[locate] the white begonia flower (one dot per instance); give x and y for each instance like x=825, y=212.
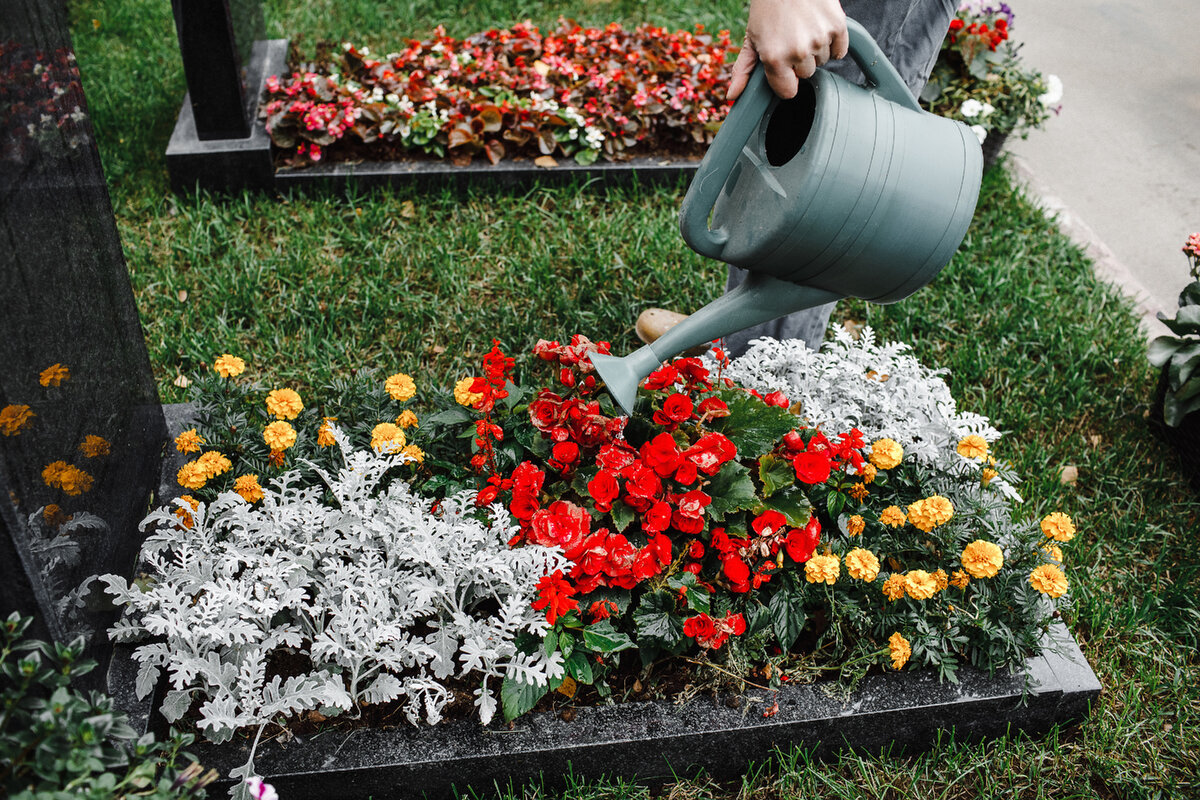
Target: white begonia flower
x=980, y=132
x=1054, y=91
x=987, y=109
x=970, y=108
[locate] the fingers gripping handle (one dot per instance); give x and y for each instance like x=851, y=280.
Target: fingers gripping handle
x=741, y=123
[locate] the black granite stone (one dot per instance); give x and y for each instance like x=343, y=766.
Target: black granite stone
x=81, y=430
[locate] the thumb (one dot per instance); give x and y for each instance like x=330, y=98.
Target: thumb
x=740, y=73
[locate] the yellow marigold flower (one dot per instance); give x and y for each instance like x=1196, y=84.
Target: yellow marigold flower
x=284, y=403
x=859, y=492
x=325, y=435
x=192, y=476
x=893, y=587
x=214, y=463
x=54, y=375
x=1058, y=526
x=185, y=516
x=53, y=472
x=987, y=475
x=228, y=366
x=189, y=441
x=822, y=569
x=886, y=453
x=13, y=418
x=247, y=486
x=941, y=579
x=279, y=435
x=463, y=394
x=868, y=473
x=386, y=437
x=982, y=559
x=415, y=453
x=959, y=579
x=899, y=650
x=94, y=446
x=75, y=481
x=932, y=511
x=893, y=516
x=407, y=419
x=862, y=565
x=1049, y=580
x=400, y=387
x=1053, y=551
x=973, y=446
x=855, y=525
x=920, y=585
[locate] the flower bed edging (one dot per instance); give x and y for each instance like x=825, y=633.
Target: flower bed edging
x=656, y=742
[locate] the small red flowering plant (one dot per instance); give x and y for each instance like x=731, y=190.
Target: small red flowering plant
x=714, y=524
x=579, y=92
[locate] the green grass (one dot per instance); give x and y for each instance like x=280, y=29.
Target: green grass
x=312, y=287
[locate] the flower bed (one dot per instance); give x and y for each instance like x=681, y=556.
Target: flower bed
x=769, y=521
x=580, y=93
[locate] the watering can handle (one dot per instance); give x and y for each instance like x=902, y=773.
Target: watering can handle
x=741, y=123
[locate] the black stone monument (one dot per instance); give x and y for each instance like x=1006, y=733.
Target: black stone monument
x=218, y=142
x=81, y=429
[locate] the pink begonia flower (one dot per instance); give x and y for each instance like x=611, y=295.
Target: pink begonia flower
x=260, y=790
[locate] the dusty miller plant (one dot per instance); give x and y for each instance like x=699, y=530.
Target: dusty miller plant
x=386, y=598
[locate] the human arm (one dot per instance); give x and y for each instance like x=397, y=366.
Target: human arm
x=791, y=38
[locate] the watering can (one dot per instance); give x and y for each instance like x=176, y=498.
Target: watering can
x=841, y=191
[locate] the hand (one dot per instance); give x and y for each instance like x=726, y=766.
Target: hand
x=792, y=38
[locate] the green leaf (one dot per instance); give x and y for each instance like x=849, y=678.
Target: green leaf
x=1185, y=322
x=1162, y=348
x=753, y=426
x=731, y=489
x=517, y=698
x=657, y=619
x=566, y=643
x=579, y=667
x=602, y=637
x=792, y=504
x=622, y=515
x=787, y=614
x=586, y=157
x=451, y=416
x=1190, y=296
x=698, y=598
x=834, y=503
x=775, y=473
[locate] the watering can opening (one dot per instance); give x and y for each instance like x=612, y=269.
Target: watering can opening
x=789, y=125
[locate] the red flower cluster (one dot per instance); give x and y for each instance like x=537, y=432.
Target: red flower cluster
x=43, y=103
x=969, y=33
x=577, y=90
x=815, y=458
x=711, y=633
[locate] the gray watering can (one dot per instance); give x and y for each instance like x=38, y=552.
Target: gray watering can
x=842, y=191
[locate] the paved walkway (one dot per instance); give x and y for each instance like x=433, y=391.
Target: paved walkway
x=1121, y=163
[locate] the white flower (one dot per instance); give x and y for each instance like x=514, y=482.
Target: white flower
x=1054, y=91
x=987, y=109
x=971, y=108
x=980, y=132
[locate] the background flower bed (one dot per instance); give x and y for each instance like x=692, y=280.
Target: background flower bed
x=318, y=287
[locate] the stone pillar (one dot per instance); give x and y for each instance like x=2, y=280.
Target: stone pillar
x=81, y=428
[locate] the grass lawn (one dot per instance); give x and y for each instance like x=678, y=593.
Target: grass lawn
x=311, y=288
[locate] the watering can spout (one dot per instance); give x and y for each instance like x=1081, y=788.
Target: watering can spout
x=760, y=299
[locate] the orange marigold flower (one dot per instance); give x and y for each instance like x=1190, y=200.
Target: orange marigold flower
x=1058, y=526
x=214, y=463
x=941, y=579
x=247, y=486
x=982, y=559
x=886, y=453
x=189, y=441
x=54, y=375
x=862, y=565
x=325, y=435
x=228, y=366
x=959, y=579
x=386, y=437
x=920, y=585
x=14, y=418
x=463, y=394
x=893, y=587
x=1053, y=551
x=1049, y=580
x=868, y=473
x=859, y=492
x=899, y=650
x=822, y=569
x=53, y=515
x=400, y=387
x=53, y=472
x=973, y=446
x=94, y=446
x=893, y=516
x=415, y=453
x=279, y=435
x=986, y=476
x=855, y=525
x=192, y=476
x=284, y=403
x=275, y=459
x=75, y=481
x=407, y=419
x=929, y=513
